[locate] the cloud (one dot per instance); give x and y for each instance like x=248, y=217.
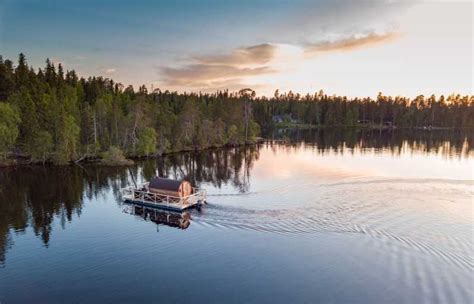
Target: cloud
x=199, y=74
x=221, y=71
x=352, y=43
x=108, y=70
x=254, y=64
x=256, y=54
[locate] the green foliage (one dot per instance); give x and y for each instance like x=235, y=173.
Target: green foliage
x=28, y=112
x=254, y=130
x=351, y=116
x=63, y=117
x=9, y=120
x=114, y=156
x=233, y=135
x=42, y=145
x=67, y=147
x=147, y=142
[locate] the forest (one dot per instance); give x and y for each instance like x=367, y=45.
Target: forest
x=53, y=115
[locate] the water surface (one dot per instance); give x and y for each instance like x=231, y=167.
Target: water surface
x=315, y=216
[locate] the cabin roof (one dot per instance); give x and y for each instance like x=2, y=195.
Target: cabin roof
x=164, y=184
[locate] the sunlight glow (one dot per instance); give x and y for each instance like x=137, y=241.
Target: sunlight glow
x=431, y=53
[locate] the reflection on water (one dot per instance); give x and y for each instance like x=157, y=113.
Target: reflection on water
x=446, y=142
x=401, y=200
x=180, y=220
x=37, y=196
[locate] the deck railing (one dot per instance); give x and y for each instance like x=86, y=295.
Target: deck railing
x=138, y=194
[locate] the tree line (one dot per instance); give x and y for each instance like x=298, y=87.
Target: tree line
x=454, y=111
x=50, y=114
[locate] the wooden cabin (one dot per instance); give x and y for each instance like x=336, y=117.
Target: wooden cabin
x=164, y=193
x=170, y=187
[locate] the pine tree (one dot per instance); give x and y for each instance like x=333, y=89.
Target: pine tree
x=9, y=120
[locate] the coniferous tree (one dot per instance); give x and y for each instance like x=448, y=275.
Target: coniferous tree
x=9, y=120
x=55, y=115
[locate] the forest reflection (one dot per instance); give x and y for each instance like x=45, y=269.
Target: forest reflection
x=38, y=198
x=35, y=197
x=449, y=143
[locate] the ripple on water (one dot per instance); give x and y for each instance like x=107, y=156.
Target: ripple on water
x=427, y=242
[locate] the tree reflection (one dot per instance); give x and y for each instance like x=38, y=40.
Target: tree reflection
x=216, y=166
x=34, y=197
x=450, y=143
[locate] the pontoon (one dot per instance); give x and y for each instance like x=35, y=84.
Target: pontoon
x=166, y=194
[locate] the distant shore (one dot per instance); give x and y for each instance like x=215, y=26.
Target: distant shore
x=363, y=127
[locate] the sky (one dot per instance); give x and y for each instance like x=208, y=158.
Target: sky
x=353, y=47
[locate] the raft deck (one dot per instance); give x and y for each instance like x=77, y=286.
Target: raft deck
x=141, y=195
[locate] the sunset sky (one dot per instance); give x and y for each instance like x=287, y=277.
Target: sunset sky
x=355, y=48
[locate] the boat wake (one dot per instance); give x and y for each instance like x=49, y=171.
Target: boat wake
x=411, y=253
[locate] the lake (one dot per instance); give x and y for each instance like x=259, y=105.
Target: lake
x=339, y=216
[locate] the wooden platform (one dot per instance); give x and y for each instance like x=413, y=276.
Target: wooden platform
x=142, y=196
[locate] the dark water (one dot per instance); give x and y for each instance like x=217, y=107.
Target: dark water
x=339, y=217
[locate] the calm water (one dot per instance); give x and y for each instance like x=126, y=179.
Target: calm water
x=345, y=217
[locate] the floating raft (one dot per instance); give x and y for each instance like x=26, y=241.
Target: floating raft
x=166, y=194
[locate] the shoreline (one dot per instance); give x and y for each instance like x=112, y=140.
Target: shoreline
x=22, y=160
x=365, y=127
